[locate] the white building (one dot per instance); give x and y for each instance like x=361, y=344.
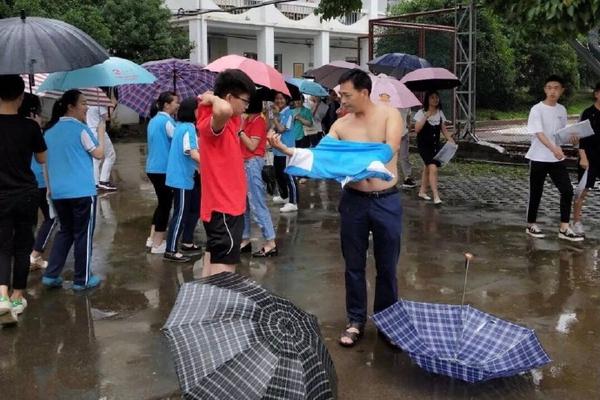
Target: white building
x=287, y=35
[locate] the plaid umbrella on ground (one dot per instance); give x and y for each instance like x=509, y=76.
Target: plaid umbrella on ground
x=460, y=341
x=181, y=76
x=231, y=339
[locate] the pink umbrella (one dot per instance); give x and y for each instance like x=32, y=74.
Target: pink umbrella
x=390, y=90
x=426, y=79
x=261, y=73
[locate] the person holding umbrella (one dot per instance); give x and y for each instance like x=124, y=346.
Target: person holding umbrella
x=160, y=132
x=430, y=121
x=71, y=147
x=20, y=139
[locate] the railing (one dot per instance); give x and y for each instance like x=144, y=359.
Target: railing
x=227, y=5
x=351, y=18
x=296, y=12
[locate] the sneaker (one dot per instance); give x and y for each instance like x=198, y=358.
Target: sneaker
x=7, y=313
x=535, y=231
x=52, y=282
x=424, y=196
x=578, y=229
x=109, y=187
x=37, y=262
x=176, y=257
x=409, y=183
x=279, y=200
x=437, y=201
x=568, y=234
x=5, y=305
x=160, y=249
x=19, y=305
x=289, y=207
x=93, y=281
x=149, y=243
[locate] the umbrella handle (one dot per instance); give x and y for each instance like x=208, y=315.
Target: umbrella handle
x=468, y=258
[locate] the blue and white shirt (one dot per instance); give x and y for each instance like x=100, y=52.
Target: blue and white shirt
x=288, y=137
x=38, y=171
x=181, y=167
x=160, y=132
x=70, y=166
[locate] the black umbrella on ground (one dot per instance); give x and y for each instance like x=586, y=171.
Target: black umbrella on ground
x=31, y=45
x=231, y=339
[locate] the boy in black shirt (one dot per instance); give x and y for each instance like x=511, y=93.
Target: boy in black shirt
x=20, y=139
x=589, y=158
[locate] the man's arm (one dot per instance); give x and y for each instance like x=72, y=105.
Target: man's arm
x=41, y=157
x=393, y=129
x=275, y=142
x=221, y=110
x=556, y=150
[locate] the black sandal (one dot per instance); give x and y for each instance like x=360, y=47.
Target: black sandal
x=247, y=248
x=263, y=253
x=354, y=332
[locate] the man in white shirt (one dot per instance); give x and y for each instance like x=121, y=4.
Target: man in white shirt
x=96, y=119
x=547, y=158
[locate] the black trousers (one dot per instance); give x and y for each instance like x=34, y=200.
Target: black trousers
x=164, y=194
x=538, y=170
x=18, y=218
x=288, y=189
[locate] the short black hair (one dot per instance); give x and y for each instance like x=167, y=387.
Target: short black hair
x=555, y=78
x=597, y=88
x=187, y=110
x=31, y=105
x=234, y=82
x=359, y=78
x=255, y=106
x=11, y=87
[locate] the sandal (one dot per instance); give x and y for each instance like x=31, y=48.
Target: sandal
x=247, y=248
x=194, y=249
x=263, y=253
x=354, y=332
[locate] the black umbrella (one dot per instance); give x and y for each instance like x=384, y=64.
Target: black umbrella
x=397, y=64
x=329, y=75
x=231, y=339
x=31, y=45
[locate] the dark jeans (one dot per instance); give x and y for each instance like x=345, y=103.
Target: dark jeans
x=360, y=215
x=47, y=226
x=77, y=222
x=164, y=194
x=538, y=171
x=18, y=218
x=288, y=188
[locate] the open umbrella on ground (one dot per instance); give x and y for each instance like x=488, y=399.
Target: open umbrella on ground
x=260, y=73
x=329, y=75
x=30, y=45
x=310, y=88
x=397, y=64
x=233, y=340
x=386, y=88
x=180, y=76
x=460, y=341
x=94, y=96
x=113, y=72
x=426, y=79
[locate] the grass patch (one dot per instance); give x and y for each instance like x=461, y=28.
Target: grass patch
x=473, y=169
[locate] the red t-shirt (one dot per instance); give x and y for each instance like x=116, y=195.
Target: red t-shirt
x=256, y=127
x=222, y=168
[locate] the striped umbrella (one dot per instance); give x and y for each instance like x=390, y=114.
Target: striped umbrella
x=94, y=96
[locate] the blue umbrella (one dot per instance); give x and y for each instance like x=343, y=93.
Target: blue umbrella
x=397, y=64
x=113, y=72
x=310, y=88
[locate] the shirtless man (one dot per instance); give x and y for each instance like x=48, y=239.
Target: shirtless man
x=371, y=205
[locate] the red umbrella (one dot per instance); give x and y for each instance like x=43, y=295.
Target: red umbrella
x=261, y=73
x=426, y=79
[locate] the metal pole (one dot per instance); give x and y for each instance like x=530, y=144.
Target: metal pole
x=468, y=258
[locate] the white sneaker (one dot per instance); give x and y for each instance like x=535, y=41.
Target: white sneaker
x=37, y=262
x=289, y=207
x=568, y=234
x=534, y=231
x=578, y=228
x=160, y=249
x=19, y=306
x=5, y=305
x=149, y=242
x=279, y=200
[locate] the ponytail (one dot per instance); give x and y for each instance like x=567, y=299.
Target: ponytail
x=60, y=108
x=159, y=104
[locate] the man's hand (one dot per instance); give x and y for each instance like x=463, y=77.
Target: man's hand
x=558, y=153
x=206, y=98
x=584, y=163
x=275, y=142
x=574, y=139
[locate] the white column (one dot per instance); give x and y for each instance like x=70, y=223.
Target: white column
x=364, y=52
x=321, y=49
x=265, y=44
x=198, y=33
x=373, y=9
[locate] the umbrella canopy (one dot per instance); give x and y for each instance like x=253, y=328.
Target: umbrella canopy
x=30, y=45
x=396, y=93
x=231, y=339
x=310, y=88
x=329, y=75
x=181, y=76
x=397, y=64
x=94, y=96
x=460, y=341
x=426, y=79
x=113, y=72
x=260, y=73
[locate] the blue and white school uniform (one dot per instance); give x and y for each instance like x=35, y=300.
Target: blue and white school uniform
x=73, y=191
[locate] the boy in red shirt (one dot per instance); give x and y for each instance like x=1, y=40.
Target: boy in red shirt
x=222, y=169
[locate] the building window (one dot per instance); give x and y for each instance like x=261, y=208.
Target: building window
x=253, y=56
x=298, y=70
x=278, y=62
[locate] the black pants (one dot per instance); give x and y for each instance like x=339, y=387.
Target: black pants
x=18, y=218
x=164, y=194
x=47, y=226
x=538, y=171
x=313, y=140
x=288, y=188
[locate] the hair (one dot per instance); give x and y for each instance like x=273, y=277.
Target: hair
x=426, y=101
x=187, y=110
x=159, y=104
x=359, y=78
x=555, y=78
x=234, y=82
x=255, y=106
x=11, y=87
x=31, y=105
x=597, y=88
x=60, y=108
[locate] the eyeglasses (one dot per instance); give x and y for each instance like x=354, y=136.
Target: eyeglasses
x=247, y=101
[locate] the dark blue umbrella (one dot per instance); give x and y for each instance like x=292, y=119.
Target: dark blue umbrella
x=397, y=64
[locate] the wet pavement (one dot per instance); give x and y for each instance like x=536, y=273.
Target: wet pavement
x=107, y=344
